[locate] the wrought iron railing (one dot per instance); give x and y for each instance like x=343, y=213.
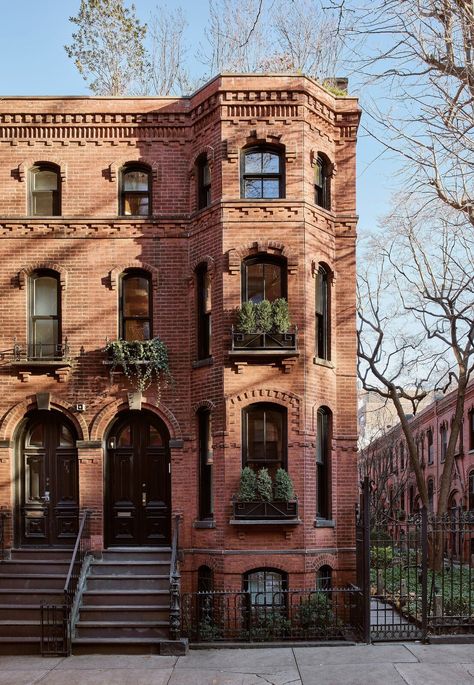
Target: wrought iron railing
x=175, y=584
x=232, y=616
x=270, y=511
x=41, y=351
x=57, y=619
x=269, y=342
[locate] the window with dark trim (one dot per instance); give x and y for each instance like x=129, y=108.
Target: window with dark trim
x=205, y=579
x=443, y=434
x=322, y=182
x=45, y=315
x=45, y=190
x=205, y=464
x=135, y=306
x=135, y=190
x=471, y=492
x=263, y=278
x=264, y=436
x=471, y=429
x=412, y=498
x=324, y=578
x=402, y=499
x=430, y=493
x=204, y=311
x=323, y=463
x=322, y=314
x=402, y=456
x=266, y=588
x=262, y=174
x=204, y=181
x=429, y=435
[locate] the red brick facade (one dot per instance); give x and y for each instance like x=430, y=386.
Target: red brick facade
x=89, y=246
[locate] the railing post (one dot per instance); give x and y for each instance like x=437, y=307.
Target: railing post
x=175, y=586
x=424, y=574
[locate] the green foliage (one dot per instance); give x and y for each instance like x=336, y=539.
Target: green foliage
x=208, y=631
x=246, y=320
x=141, y=361
x=248, y=485
x=284, y=491
x=315, y=613
x=338, y=92
x=281, y=315
x=264, y=316
x=264, y=485
x=108, y=47
x=381, y=557
x=267, y=625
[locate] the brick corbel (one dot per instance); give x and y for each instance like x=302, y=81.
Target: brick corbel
x=231, y=155
x=315, y=266
x=331, y=168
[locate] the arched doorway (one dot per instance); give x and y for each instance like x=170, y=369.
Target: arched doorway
x=48, y=502
x=138, y=491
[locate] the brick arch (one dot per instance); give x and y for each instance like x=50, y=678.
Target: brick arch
x=277, y=566
x=26, y=165
x=26, y=271
x=327, y=263
x=208, y=150
x=134, y=264
x=332, y=166
x=322, y=560
x=285, y=398
x=115, y=166
x=204, y=404
x=16, y=413
x=107, y=414
x=271, y=247
x=207, y=259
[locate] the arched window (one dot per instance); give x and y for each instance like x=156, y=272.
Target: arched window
x=323, y=463
x=443, y=434
x=470, y=502
x=429, y=434
x=266, y=588
x=402, y=498
x=264, y=436
x=204, y=181
x=135, y=305
x=45, y=190
x=430, y=493
x=411, y=496
x=323, y=350
x=262, y=174
x=402, y=456
x=322, y=182
x=204, y=311
x=205, y=464
x=45, y=315
x=263, y=278
x=135, y=190
x=324, y=578
x=205, y=579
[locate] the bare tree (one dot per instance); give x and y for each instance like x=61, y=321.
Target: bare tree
x=416, y=314
x=108, y=48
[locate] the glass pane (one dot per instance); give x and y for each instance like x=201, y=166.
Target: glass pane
x=137, y=330
x=318, y=174
x=45, y=180
x=45, y=337
x=136, y=205
x=135, y=296
x=270, y=163
x=265, y=588
x=36, y=437
x=155, y=438
x=256, y=434
x=271, y=188
x=273, y=435
x=124, y=438
x=272, y=282
x=206, y=176
x=34, y=477
x=253, y=163
x=135, y=180
x=65, y=437
x=45, y=296
x=43, y=204
x=207, y=293
x=253, y=188
x=255, y=282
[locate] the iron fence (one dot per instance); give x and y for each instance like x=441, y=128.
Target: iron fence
x=311, y=615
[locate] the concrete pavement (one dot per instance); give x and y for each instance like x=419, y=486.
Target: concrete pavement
x=382, y=664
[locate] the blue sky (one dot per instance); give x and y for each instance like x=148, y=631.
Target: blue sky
x=32, y=36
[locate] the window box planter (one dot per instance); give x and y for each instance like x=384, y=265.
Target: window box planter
x=275, y=344
x=265, y=512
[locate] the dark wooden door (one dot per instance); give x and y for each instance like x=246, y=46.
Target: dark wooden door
x=138, y=482
x=49, y=498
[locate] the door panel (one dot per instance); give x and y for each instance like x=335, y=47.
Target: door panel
x=138, y=482
x=49, y=488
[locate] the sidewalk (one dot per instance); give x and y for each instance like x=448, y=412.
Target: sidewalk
x=383, y=664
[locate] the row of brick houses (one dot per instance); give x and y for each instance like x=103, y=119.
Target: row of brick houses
x=136, y=218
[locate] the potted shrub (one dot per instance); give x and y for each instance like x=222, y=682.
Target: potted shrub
x=259, y=498
x=142, y=361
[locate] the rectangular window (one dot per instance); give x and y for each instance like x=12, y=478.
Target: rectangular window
x=430, y=447
x=204, y=312
x=205, y=465
x=323, y=509
x=44, y=316
x=321, y=314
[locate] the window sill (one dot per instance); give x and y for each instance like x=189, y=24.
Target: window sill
x=323, y=362
x=39, y=363
x=209, y=523
x=265, y=522
x=198, y=363
x=324, y=523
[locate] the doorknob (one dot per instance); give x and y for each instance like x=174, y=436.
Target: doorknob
x=144, y=494
x=45, y=497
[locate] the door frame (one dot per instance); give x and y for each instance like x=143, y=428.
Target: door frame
x=107, y=505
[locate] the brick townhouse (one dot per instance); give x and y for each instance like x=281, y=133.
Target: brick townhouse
x=136, y=218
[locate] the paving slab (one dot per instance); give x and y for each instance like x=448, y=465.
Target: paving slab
x=352, y=674
x=469, y=667
x=17, y=677
x=240, y=660
x=104, y=662
x=442, y=654
x=203, y=677
x=434, y=674
x=28, y=663
x=114, y=676
x=357, y=654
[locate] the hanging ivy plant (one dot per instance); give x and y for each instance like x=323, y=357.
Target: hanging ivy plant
x=142, y=361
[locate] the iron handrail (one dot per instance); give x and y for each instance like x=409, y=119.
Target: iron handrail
x=175, y=583
x=77, y=557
